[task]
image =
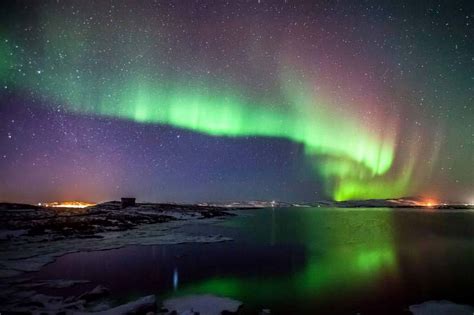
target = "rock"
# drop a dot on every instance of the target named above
(10, 234)
(96, 293)
(201, 304)
(100, 307)
(143, 305)
(61, 283)
(35, 303)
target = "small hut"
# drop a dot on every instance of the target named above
(128, 202)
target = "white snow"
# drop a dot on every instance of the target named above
(204, 304)
(139, 306)
(441, 308)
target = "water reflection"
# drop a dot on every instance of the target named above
(175, 279)
(341, 254)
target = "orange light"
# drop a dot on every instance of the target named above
(429, 203)
(68, 204)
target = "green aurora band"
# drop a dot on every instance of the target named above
(355, 161)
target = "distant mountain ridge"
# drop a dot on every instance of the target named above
(406, 202)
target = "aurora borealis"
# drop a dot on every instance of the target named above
(200, 101)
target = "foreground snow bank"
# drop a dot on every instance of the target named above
(441, 308)
(141, 306)
(201, 304)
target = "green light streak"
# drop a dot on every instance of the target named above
(6, 59)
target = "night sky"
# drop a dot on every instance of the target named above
(234, 100)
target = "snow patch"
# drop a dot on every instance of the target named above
(441, 308)
(202, 304)
(140, 306)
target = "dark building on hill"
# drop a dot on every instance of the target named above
(128, 202)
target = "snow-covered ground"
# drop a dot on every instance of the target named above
(441, 308)
(201, 304)
(32, 238)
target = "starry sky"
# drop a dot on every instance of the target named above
(234, 100)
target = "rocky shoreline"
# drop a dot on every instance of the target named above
(96, 301)
(60, 223)
(31, 237)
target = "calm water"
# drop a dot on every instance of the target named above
(300, 260)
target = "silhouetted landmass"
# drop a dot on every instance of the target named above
(87, 222)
